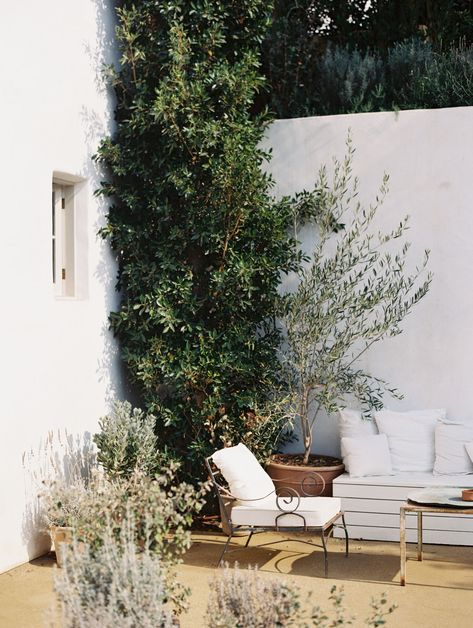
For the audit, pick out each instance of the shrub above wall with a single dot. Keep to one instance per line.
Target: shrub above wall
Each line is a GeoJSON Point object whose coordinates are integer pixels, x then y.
{"type": "Point", "coordinates": [329, 56]}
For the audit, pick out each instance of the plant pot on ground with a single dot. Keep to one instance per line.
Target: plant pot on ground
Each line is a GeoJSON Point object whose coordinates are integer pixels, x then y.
{"type": "Point", "coordinates": [353, 292]}
{"type": "Point", "coordinates": [60, 535]}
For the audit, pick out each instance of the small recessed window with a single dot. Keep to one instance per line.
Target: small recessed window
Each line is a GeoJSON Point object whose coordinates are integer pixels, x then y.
{"type": "Point", "coordinates": [63, 239]}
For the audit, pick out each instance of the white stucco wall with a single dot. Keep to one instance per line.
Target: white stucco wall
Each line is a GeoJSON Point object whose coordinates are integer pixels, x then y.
{"type": "Point", "coordinates": [58, 363]}
{"type": "Point", "coordinates": [429, 157]}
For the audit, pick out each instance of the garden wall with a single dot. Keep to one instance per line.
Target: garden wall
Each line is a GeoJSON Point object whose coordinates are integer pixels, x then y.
{"type": "Point", "coordinates": [429, 157]}
{"type": "Point", "coordinates": [58, 359]}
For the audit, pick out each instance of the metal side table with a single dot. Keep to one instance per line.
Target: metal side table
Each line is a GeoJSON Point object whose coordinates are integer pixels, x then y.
{"type": "Point", "coordinates": [431, 501]}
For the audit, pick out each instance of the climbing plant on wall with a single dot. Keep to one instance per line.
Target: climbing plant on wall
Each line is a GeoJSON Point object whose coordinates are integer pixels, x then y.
{"type": "Point", "coordinates": [200, 241]}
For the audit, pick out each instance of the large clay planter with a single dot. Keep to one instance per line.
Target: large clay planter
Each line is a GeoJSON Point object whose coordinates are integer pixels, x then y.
{"type": "Point", "coordinates": [302, 479]}
{"type": "Point", "coordinates": [59, 536]}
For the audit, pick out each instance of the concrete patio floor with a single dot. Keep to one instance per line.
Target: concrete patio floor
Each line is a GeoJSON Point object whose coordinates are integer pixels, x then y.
{"type": "Point", "coordinates": [439, 590]}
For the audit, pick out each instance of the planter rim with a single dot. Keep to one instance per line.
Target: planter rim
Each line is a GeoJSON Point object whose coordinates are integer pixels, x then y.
{"type": "Point", "coordinates": [305, 467]}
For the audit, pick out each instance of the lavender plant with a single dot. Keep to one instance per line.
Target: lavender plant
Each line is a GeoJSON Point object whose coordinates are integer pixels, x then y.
{"type": "Point", "coordinates": [117, 586]}
{"type": "Point", "coordinates": [127, 442]}
{"type": "Point", "coordinates": [244, 599]}
{"type": "Point", "coordinates": [161, 508]}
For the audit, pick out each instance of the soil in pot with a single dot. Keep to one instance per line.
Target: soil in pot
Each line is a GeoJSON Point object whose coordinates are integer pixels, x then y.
{"type": "Point", "coordinates": [288, 471]}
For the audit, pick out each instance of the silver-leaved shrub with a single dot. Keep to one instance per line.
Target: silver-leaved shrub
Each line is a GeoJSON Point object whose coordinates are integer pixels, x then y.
{"type": "Point", "coordinates": [118, 585]}
{"type": "Point", "coordinates": [245, 599]}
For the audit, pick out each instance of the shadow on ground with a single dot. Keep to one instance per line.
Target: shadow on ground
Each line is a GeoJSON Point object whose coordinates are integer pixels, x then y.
{"type": "Point", "coordinates": [369, 562]}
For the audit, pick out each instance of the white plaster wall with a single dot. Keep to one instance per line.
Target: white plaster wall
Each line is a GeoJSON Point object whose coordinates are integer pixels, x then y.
{"type": "Point", "coordinates": [58, 365]}
{"type": "Point", "coordinates": [429, 157]}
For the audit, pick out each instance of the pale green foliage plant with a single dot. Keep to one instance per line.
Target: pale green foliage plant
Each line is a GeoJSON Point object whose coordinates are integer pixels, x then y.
{"type": "Point", "coordinates": [161, 508]}
{"type": "Point", "coordinates": [355, 291]}
{"type": "Point", "coordinates": [244, 599]}
{"type": "Point", "coordinates": [127, 442]}
{"type": "Point", "coordinates": [120, 585]}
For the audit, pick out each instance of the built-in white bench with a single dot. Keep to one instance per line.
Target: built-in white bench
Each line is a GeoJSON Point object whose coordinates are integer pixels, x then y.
{"type": "Point", "coordinates": [371, 506]}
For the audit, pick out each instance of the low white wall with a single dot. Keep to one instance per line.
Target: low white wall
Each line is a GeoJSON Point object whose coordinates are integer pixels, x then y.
{"type": "Point", "coordinates": [429, 157]}
{"type": "Point", "coordinates": [58, 362]}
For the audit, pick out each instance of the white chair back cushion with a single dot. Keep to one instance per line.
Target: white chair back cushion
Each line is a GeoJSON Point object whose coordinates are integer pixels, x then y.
{"type": "Point", "coordinates": [245, 476]}
{"type": "Point", "coordinates": [410, 437]}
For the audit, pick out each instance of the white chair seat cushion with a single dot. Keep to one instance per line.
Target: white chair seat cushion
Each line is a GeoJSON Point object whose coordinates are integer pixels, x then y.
{"type": "Point", "coordinates": [317, 511]}
{"type": "Point", "coordinates": [245, 476]}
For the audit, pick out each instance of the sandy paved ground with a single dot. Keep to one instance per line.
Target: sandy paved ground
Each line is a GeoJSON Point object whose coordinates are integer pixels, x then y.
{"type": "Point", "coordinates": [439, 592]}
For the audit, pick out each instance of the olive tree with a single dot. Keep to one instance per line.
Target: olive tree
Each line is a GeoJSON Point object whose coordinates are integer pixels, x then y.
{"type": "Point", "coordinates": [356, 290]}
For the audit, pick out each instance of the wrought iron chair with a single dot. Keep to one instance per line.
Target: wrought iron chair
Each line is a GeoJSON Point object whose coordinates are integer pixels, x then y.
{"type": "Point", "coordinates": [288, 511]}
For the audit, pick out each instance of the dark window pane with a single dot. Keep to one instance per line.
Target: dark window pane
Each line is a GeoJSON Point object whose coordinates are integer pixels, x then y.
{"type": "Point", "coordinates": [54, 214]}
{"type": "Point", "coordinates": [54, 261]}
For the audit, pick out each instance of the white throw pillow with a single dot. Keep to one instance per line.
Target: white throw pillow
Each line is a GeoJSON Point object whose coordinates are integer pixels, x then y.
{"type": "Point", "coordinates": [246, 478]}
{"type": "Point", "coordinates": [352, 424]}
{"type": "Point", "coordinates": [451, 455]}
{"type": "Point", "coordinates": [367, 455]}
{"type": "Point", "coordinates": [469, 450]}
{"type": "Point", "coordinates": [411, 437]}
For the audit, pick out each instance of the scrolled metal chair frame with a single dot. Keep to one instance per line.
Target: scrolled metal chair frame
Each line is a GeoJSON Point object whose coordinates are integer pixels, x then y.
{"type": "Point", "coordinates": [287, 504]}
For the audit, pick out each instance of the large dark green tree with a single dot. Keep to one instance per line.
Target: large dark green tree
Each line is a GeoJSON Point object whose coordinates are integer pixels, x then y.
{"type": "Point", "coordinates": [200, 241]}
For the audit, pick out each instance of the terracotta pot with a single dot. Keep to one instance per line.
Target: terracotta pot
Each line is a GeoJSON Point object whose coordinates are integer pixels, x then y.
{"type": "Point", "coordinates": [59, 536]}
{"type": "Point", "coordinates": [299, 478]}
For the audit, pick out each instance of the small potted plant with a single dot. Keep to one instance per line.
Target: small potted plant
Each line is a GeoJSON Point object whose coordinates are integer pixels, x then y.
{"type": "Point", "coordinates": [354, 292]}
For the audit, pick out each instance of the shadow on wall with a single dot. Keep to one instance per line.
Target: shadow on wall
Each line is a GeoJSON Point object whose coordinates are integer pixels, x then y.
{"type": "Point", "coordinates": [60, 457]}
{"type": "Point", "coordinates": [110, 369]}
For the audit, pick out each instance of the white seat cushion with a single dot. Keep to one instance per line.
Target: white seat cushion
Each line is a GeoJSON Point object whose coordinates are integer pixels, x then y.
{"type": "Point", "coordinates": [407, 479]}
{"type": "Point", "coordinates": [317, 511]}
{"type": "Point", "coordinates": [246, 478]}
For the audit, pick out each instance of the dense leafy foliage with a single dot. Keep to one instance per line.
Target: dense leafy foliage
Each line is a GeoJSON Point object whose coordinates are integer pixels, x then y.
{"type": "Point", "coordinates": [333, 56]}
{"type": "Point", "coordinates": [201, 242]}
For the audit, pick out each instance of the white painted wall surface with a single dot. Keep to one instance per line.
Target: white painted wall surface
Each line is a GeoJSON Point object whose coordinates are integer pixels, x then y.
{"type": "Point", "coordinates": [58, 363]}
{"type": "Point", "coordinates": [429, 157]}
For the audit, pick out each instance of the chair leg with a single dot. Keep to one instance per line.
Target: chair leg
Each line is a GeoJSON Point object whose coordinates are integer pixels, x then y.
{"type": "Point", "coordinates": [249, 539]}
{"type": "Point", "coordinates": [224, 549]}
{"type": "Point", "coordinates": [346, 535]}
{"type": "Point", "coordinates": [324, 545]}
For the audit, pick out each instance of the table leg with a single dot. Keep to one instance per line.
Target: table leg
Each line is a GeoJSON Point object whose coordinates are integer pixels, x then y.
{"type": "Point", "coordinates": [402, 542]}
{"type": "Point", "coordinates": [419, 536]}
